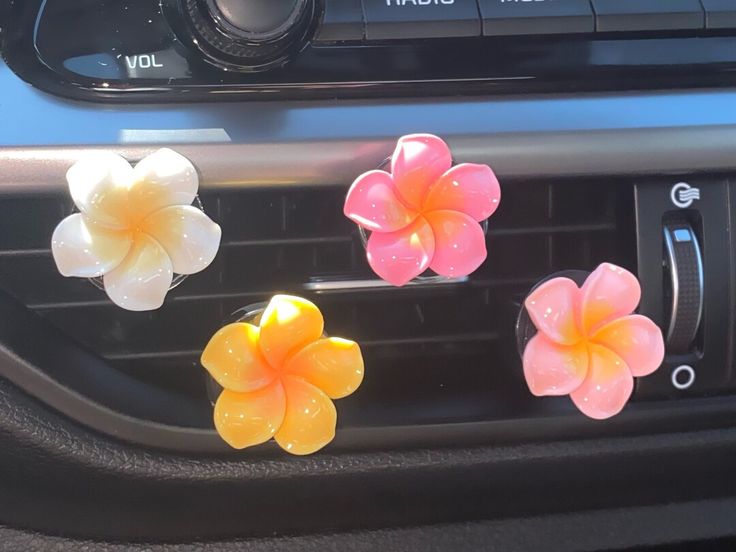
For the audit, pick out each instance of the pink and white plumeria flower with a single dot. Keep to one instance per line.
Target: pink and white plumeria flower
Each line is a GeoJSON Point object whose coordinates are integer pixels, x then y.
{"type": "Point", "coordinates": [136, 227]}
{"type": "Point", "coordinates": [425, 213]}
{"type": "Point", "coordinates": [589, 345]}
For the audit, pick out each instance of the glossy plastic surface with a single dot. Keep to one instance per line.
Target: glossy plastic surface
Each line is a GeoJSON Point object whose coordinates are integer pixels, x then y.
{"type": "Point", "coordinates": [280, 377]}
{"type": "Point", "coordinates": [589, 345]}
{"type": "Point", "coordinates": [425, 213]}
{"type": "Point", "coordinates": [136, 227]}
{"type": "Point", "coordinates": [97, 50]}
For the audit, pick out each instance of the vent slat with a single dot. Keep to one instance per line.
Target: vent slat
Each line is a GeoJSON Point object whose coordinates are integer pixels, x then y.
{"type": "Point", "coordinates": [250, 270]}
{"type": "Point", "coordinates": [364, 344]}
{"type": "Point", "coordinates": [350, 238]}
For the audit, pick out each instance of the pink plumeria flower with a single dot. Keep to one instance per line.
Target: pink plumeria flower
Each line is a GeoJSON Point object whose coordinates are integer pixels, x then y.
{"type": "Point", "coordinates": [589, 345]}
{"type": "Point", "coordinates": [425, 213]}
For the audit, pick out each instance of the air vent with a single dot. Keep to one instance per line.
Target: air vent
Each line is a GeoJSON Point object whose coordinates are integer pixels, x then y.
{"type": "Point", "coordinates": [435, 354]}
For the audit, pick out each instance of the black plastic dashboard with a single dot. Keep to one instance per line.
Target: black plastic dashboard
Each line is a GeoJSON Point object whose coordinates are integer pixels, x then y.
{"type": "Point", "coordinates": [625, 111]}
{"type": "Point", "coordinates": [122, 50]}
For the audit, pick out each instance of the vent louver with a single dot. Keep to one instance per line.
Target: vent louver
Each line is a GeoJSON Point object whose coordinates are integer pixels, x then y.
{"type": "Point", "coordinates": [435, 354]}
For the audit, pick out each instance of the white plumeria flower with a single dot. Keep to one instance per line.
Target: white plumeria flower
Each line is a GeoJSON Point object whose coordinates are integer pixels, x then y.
{"type": "Point", "coordinates": [136, 227]}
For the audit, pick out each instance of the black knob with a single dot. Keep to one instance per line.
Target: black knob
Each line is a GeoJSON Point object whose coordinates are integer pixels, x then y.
{"type": "Point", "coordinates": [246, 35]}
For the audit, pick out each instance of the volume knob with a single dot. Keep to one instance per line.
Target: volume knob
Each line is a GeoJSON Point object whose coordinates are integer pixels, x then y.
{"type": "Point", "coordinates": [247, 35]}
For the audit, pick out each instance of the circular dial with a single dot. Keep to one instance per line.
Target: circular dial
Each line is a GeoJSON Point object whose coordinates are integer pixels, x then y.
{"type": "Point", "coordinates": [257, 19]}
{"type": "Point", "coordinates": [246, 35]}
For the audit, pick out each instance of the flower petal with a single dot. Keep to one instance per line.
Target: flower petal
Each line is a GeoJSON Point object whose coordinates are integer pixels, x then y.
{"type": "Point", "coordinates": [84, 249]}
{"type": "Point", "coordinates": [234, 359]}
{"type": "Point", "coordinates": [607, 387]}
{"type": "Point", "coordinates": [418, 161]}
{"type": "Point", "coordinates": [162, 179]}
{"type": "Point", "coordinates": [610, 292]}
{"type": "Point", "coordinates": [98, 185]}
{"type": "Point", "coordinates": [372, 203]}
{"type": "Point", "coordinates": [459, 243]}
{"type": "Point", "coordinates": [469, 188]}
{"type": "Point", "coordinates": [247, 419]}
{"type": "Point", "coordinates": [288, 324]}
{"type": "Point", "coordinates": [190, 237]}
{"type": "Point", "coordinates": [637, 340]}
{"type": "Point", "coordinates": [141, 281]}
{"type": "Point", "coordinates": [334, 365]}
{"type": "Point", "coordinates": [554, 369]}
{"type": "Point", "coordinates": [310, 420]}
{"type": "Point", "coordinates": [400, 256]}
{"type": "Point", "coordinates": [552, 307]}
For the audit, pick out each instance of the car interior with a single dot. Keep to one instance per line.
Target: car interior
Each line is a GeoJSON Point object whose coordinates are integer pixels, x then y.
{"type": "Point", "coordinates": [582, 145]}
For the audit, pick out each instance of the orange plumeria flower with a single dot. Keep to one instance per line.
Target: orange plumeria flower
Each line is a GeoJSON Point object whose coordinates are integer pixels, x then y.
{"type": "Point", "coordinates": [279, 377]}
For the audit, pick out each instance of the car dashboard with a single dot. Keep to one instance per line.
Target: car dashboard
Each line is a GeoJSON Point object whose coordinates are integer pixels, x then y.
{"type": "Point", "coordinates": [611, 127]}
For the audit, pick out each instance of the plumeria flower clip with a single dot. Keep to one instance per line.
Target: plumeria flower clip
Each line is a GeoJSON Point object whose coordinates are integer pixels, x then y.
{"type": "Point", "coordinates": [136, 227]}
{"type": "Point", "coordinates": [279, 377]}
{"type": "Point", "coordinates": [588, 343]}
{"type": "Point", "coordinates": [424, 213]}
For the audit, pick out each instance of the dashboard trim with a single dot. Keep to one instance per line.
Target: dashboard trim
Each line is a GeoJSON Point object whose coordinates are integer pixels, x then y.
{"type": "Point", "coordinates": [655, 151]}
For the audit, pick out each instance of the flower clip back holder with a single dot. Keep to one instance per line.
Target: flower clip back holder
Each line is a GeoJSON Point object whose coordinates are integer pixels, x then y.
{"type": "Point", "coordinates": [425, 213]}
{"type": "Point", "coordinates": [525, 328]}
{"type": "Point", "coordinates": [138, 231]}
{"type": "Point", "coordinates": [276, 374]}
{"type": "Point", "coordinates": [578, 335]}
